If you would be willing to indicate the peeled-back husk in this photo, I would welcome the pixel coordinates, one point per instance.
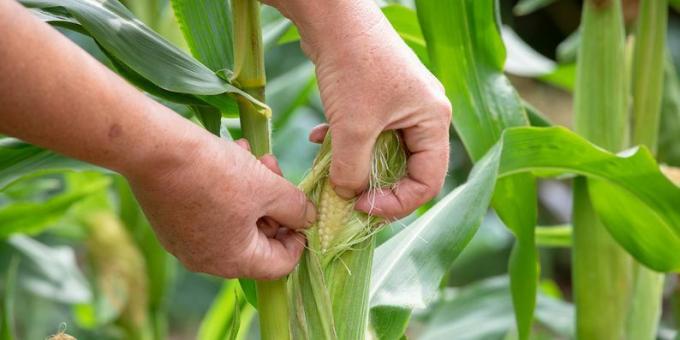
(329, 289)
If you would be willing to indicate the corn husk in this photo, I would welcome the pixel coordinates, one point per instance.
(329, 289)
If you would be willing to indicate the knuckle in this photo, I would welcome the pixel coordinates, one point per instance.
(442, 108)
(343, 181)
(300, 201)
(356, 132)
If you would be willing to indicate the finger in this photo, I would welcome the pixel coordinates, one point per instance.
(268, 226)
(318, 133)
(426, 169)
(271, 163)
(351, 158)
(275, 257)
(288, 205)
(243, 143)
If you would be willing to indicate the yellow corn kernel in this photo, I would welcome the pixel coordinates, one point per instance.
(334, 213)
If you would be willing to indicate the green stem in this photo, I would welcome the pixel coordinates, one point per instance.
(648, 65)
(647, 86)
(249, 73)
(602, 277)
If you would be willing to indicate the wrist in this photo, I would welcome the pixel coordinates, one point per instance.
(319, 21)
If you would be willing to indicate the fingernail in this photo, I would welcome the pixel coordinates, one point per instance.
(344, 192)
(310, 214)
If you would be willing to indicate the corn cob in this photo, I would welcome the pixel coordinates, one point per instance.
(334, 213)
(330, 287)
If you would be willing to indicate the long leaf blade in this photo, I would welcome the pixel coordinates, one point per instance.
(139, 47)
(207, 28)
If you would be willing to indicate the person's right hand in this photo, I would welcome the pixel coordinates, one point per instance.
(220, 209)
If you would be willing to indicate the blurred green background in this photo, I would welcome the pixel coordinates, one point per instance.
(90, 263)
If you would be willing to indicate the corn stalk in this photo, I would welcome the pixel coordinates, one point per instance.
(249, 75)
(601, 269)
(647, 89)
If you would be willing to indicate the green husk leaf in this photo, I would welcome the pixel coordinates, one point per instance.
(330, 287)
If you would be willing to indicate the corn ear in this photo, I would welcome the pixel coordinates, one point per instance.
(329, 289)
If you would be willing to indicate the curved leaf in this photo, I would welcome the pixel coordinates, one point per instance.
(206, 25)
(408, 268)
(19, 159)
(140, 48)
(32, 218)
(484, 311)
(636, 202)
(467, 54)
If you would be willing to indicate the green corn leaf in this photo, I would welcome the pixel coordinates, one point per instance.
(525, 7)
(159, 270)
(408, 268)
(145, 52)
(7, 331)
(229, 315)
(522, 59)
(634, 200)
(536, 117)
(483, 310)
(207, 28)
(136, 45)
(50, 272)
(388, 323)
(274, 26)
(56, 17)
(554, 236)
(468, 55)
(21, 160)
(33, 217)
(669, 148)
(206, 25)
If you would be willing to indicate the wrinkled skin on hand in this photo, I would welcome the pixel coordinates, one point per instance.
(370, 81)
(225, 213)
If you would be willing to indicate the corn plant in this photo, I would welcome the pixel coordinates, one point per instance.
(626, 223)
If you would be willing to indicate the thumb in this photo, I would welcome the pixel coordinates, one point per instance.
(351, 159)
(288, 206)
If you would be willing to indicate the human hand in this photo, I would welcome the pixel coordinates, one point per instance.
(370, 81)
(221, 211)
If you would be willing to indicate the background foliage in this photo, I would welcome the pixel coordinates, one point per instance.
(76, 248)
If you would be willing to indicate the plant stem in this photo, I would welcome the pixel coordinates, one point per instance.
(648, 65)
(601, 269)
(647, 85)
(249, 73)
